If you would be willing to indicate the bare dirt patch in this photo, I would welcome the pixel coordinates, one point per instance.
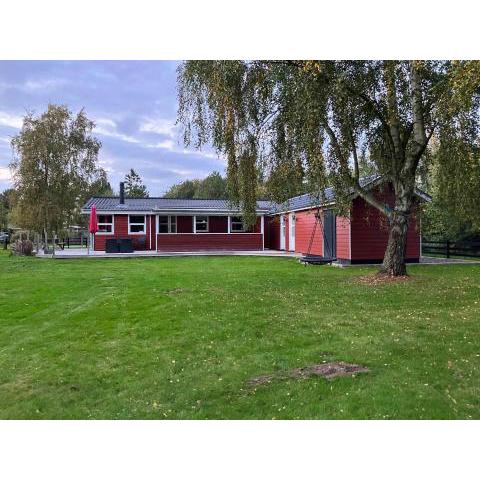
(378, 278)
(328, 370)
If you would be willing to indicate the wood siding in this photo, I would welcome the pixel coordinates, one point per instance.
(209, 241)
(120, 230)
(304, 226)
(343, 238)
(370, 230)
(272, 238)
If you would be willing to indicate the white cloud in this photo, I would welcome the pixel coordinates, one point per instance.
(5, 173)
(159, 126)
(10, 120)
(42, 84)
(172, 147)
(166, 144)
(107, 127)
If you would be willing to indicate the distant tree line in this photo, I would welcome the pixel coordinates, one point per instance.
(214, 186)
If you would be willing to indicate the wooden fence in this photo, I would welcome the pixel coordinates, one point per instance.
(449, 248)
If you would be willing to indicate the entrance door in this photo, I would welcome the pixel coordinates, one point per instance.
(291, 232)
(282, 232)
(329, 240)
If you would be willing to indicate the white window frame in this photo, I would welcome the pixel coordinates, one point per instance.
(195, 224)
(232, 222)
(169, 225)
(144, 232)
(106, 223)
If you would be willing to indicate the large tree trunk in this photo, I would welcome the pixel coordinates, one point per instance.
(394, 258)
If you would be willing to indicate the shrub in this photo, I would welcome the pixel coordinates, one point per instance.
(23, 247)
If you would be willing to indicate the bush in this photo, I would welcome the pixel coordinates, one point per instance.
(23, 247)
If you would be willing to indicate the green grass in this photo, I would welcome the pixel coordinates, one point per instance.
(177, 338)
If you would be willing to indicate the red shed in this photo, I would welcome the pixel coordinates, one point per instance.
(359, 238)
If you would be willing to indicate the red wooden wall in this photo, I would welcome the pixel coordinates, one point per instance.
(120, 230)
(343, 238)
(304, 225)
(217, 226)
(370, 230)
(209, 241)
(361, 237)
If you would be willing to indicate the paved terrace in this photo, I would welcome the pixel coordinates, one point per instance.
(83, 253)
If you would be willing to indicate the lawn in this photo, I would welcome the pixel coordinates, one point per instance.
(178, 338)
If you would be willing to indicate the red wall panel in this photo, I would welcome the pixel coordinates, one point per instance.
(370, 229)
(217, 224)
(120, 230)
(184, 224)
(343, 238)
(273, 236)
(209, 241)
(304, 226)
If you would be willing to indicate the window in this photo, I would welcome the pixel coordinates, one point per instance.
(167, 224)
(201, 223)
(105, 223)
(236, 224)
(136, 224)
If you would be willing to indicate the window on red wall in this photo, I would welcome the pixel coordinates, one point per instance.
(236, 224)
(105, 223)
(136, 224)
(201, 223)
(167, 224)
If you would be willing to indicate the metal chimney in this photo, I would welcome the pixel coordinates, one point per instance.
(122, 193)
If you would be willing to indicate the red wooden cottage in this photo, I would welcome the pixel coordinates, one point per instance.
(359, 238)
(177, 225)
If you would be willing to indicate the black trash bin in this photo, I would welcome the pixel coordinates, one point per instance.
(126, 245)
(111, 245)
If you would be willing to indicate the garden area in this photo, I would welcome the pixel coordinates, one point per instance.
(189, 338)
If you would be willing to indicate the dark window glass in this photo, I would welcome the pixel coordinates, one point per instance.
(104, 218)
(201, 223)
(137, 228)
(236, 224)
(137, 219)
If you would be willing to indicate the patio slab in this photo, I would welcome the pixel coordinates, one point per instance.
(82, 253)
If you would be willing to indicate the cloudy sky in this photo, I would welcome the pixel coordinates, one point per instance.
(133, 104)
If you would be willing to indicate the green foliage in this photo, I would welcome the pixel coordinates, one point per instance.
(309, 124)
(178, 338)
(6, 198)
(134, 186)
(54, 165)
(454, 186)
(214, 186)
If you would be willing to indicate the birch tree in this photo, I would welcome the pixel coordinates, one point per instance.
(311, 122)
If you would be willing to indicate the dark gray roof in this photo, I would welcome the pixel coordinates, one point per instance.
(310, 200)
(156, 203)
(112, 204)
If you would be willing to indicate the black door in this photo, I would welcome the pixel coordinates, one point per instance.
(329, 240)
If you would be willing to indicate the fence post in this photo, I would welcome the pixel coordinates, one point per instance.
(448, 248)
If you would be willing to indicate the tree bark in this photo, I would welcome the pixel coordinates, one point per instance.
(394, 258)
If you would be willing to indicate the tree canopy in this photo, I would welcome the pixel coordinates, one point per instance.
(6, 198)
(55, 163)
(134, 186)
(315, 123)
(213, 186)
